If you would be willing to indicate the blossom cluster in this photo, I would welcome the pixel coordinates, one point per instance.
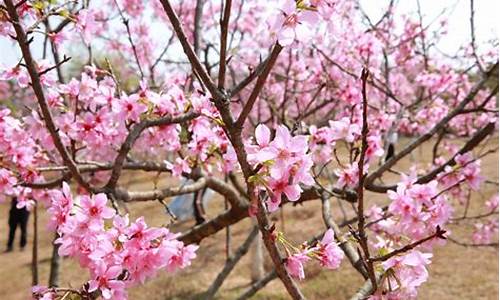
(118, 253)
(284, 164)
(404, 274)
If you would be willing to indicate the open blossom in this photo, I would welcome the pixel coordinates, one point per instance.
(416, 210)
(293, 23)
(343, 129)
(86, 24)
(330, 253)
(60, 208)
(348, 177)
(294, 264)
(182, 257)
(467, 169)
(94, 112)
(7, 182)
(107, 282)
(20, 75)
(42, 293)
(95, 208)
(278, 188)
(129, 107)
(180, 166)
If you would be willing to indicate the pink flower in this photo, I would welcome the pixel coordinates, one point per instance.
(140, 236)
(61, 205)
(343, 129)
(106, 280)
(293, 23)
(492, 204)
(18, 74)
(280, 187)
(484, 232)
(95, 209)
(410, 271)
(180, 166)
(330, 253)
(7, 182)
(182, 258)
(129, 107)
(402, 204)
(86, 24)
(41, 292)
(348, 177)
(294, 264)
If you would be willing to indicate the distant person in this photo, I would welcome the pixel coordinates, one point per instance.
(17, 217)
(391, 149)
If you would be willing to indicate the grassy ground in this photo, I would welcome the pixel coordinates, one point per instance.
(457, 272)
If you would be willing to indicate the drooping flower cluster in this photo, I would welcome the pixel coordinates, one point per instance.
(118, 253)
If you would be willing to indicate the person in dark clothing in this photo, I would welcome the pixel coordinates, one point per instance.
(392, 139)
(17, 217)
(390, 152)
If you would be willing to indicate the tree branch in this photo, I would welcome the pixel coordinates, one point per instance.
(230, 264)
(363, 240)
(224, 24)
(132, 137)
(412, 146)
(261, 80)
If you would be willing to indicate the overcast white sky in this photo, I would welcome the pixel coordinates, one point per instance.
(457, 15)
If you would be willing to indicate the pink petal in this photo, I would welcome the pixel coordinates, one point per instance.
(262, 135)
(292, 192)
(286, 36)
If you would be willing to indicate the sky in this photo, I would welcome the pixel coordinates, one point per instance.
(457, 14)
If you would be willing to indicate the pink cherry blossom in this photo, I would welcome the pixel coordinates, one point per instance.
(330, 253)
(293, 24)
(294, 264)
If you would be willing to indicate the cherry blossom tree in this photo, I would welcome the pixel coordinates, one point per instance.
(271, 104)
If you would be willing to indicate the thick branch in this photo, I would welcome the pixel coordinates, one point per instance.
(224, 24)
(363, 240)
(261, 80)
(161, 194)
(267, 235)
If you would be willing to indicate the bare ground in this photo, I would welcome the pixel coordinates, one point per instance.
(456, 272)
